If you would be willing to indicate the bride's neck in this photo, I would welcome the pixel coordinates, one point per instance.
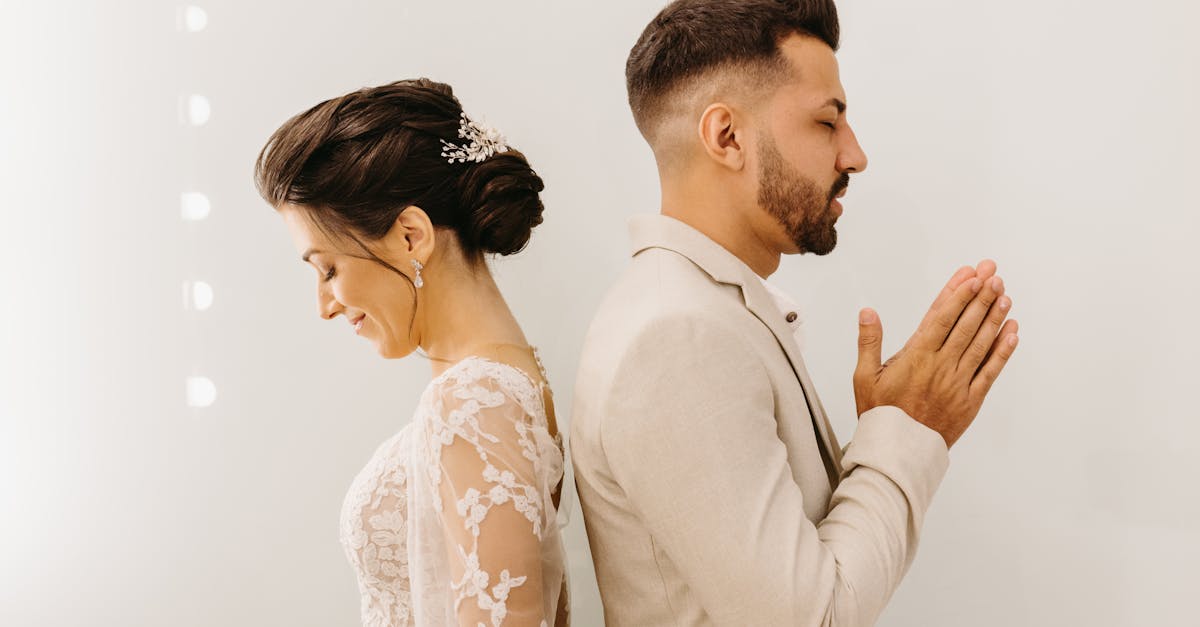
(462, 310)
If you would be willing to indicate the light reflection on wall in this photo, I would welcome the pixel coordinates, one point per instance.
(195, 206)
(192, 19)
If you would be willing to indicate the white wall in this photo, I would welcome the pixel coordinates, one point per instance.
(1057, 137)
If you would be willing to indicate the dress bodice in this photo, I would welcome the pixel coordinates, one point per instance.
(453, 521)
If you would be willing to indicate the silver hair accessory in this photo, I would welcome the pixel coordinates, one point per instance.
(482, 142)
(418, 282)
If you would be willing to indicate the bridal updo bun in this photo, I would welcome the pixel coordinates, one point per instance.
(501, 200)
(357, 161)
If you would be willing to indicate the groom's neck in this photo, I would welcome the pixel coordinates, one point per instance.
(724, 212)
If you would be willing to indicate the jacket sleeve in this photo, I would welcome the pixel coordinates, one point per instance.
(690, 434)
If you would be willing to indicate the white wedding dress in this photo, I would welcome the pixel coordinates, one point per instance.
(453, 521)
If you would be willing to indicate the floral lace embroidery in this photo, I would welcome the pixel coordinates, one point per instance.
(493, 413)
(471, 397)
(374, 536)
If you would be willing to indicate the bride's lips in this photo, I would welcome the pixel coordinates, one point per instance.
(358, 322)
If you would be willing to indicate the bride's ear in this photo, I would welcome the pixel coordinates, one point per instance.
(412, 235)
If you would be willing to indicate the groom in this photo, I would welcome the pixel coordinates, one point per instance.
(713, 489)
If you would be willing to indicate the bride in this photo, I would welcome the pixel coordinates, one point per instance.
(395, 196)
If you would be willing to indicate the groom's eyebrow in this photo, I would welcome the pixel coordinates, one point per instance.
(838, 104)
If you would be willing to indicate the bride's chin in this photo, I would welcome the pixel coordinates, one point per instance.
(389, 351)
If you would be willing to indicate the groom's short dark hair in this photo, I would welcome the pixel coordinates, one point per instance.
(691, 37)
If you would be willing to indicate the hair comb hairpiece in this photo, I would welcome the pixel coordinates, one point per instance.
(482, 142)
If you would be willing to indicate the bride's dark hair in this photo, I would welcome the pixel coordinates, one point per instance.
(353, 163)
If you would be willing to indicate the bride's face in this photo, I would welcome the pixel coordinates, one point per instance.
(378, 303)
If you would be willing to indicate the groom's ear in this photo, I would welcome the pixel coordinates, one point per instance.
(721, 136)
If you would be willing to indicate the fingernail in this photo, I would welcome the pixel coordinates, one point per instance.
(1012, 340)
(997, 284)
(975, 285)
(866, 316)
(1005, 303)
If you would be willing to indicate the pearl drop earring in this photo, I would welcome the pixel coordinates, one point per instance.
(417, 267)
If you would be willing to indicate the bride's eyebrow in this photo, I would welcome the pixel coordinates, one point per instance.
(309, 253)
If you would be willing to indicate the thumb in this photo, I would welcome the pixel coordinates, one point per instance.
(870, 341)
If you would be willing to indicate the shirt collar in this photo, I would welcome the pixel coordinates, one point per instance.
(788, 309)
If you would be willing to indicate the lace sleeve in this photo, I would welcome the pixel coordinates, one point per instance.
(488, 495)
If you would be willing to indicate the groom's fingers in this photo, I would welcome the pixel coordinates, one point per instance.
(984, 271)
(960, 276)
(870, 342)
(932, 332)
(1003, 348)
(1010, 328)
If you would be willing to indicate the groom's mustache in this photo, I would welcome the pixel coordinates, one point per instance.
(842, 183)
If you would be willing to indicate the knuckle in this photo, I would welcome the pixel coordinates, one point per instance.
(980, 389)
(951, 374)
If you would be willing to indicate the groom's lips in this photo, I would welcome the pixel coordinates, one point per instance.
(833, 202)
(839, 187)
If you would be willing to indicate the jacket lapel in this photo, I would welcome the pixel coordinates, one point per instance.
(658, 231)
(760, 303)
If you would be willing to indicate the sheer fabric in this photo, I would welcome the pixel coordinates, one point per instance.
(453, 521)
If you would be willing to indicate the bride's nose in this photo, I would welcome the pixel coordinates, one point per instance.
(327, 306)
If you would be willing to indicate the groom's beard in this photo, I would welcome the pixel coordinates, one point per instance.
(801, 208)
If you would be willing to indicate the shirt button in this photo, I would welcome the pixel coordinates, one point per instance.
(791, 317)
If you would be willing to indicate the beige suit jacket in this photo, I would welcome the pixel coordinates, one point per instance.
(713, 489)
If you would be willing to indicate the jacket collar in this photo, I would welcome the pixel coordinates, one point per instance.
(659, 231)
